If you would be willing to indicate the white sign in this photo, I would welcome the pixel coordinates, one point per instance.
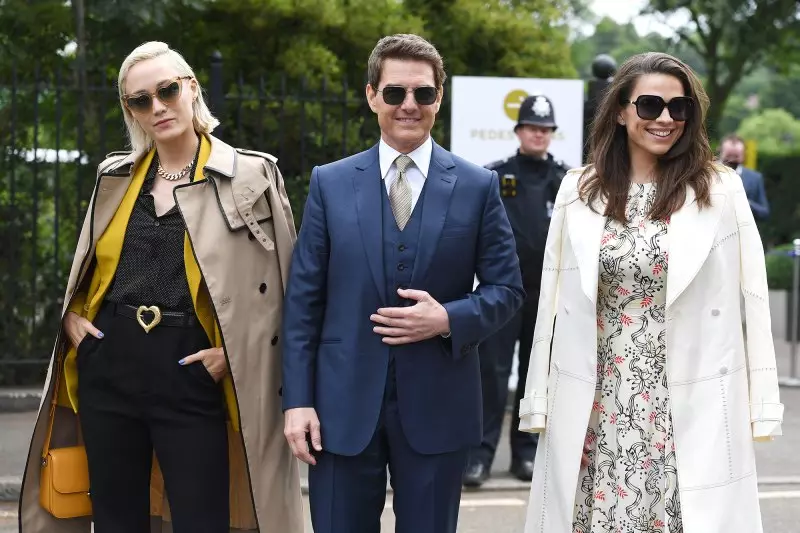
(485, 110)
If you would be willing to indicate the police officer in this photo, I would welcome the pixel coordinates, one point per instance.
(529, 182)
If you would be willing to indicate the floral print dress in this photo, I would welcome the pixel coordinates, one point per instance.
(630, 485)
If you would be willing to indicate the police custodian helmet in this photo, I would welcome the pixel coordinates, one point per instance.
(538, 111)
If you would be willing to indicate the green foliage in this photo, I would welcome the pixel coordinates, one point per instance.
(765, 88)
(776, 131)
(621, 41)
(780, 268)
(499, 38)
(734, 37)
(780, 177)
(294, 76)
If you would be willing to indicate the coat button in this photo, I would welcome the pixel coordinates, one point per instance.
(401, 248)
(715, 312)
(251, 236)
(723, 370)
(401, 267)
(274, 340)
(262, 288)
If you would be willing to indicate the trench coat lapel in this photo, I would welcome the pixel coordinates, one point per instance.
(110, 189)
(690, 239)
(585, 228)
(367, 184)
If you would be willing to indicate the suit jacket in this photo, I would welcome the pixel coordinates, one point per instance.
(334, 362)
(723, 389)
(756, 193)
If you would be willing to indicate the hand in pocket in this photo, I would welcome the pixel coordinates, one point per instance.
(213, 359)
(77, 327)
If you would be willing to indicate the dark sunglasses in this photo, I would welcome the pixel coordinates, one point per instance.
(394, 94)
(650, 107)
(168, 94)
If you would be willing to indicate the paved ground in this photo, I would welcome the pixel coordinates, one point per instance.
(503, 511)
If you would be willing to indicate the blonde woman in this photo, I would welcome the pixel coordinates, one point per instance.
(169, 344)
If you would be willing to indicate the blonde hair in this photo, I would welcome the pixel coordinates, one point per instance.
(203, 120)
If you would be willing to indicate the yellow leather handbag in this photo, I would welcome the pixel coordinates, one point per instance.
(64, 479)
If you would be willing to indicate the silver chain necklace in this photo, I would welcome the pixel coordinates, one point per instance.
(174, 176)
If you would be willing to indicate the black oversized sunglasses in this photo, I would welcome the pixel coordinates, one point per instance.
(395, 94)
(650, 107)
(168, 94)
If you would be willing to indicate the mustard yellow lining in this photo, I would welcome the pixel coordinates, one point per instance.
(107, 253)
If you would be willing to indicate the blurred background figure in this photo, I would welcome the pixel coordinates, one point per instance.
(529, 182)
(732, 154)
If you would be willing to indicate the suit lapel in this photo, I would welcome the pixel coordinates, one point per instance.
(691, 235)
(367, 184)
(585, 227)
(438, 190)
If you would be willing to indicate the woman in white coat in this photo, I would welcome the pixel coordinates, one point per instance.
(646, 396)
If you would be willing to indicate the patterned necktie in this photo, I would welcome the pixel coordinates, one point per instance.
(400, 192)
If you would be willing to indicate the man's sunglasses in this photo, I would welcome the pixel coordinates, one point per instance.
(168, 94)
(394, 94)
(650, 107)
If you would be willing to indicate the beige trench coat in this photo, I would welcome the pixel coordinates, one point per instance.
(240, 225)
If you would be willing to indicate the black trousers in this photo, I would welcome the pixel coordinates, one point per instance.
(134, 399)
(348, 494)
(496, 359)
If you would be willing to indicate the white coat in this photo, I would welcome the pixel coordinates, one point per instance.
(722, 394)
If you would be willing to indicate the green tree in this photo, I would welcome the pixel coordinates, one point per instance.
(776, 132)
(621, 41)
(294, 75)
(734, 37)
(499, 38)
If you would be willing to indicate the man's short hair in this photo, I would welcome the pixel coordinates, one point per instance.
(404, 46)
(733, 138)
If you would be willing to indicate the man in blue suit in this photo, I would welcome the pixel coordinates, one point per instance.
(381, 323)
(732, 151)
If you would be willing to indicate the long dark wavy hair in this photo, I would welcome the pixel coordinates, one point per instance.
(688, 163)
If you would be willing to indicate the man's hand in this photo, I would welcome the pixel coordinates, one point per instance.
(213, 359)
(297, 423)
(585, 460)
(404, 325)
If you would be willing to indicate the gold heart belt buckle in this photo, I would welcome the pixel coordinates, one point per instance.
(156, 317)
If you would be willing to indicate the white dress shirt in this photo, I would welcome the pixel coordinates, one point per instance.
(415, 173)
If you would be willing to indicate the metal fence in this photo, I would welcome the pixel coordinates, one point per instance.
(56, 127)
(53, 135)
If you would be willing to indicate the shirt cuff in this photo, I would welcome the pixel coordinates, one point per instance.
(766, 419)
(533, 413)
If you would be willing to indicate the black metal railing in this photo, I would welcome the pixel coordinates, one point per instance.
(53, 134)
(56, 127)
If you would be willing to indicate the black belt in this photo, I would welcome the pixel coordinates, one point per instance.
(152, 316)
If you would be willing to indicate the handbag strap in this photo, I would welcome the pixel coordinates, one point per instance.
(51, 419)
(53, 403)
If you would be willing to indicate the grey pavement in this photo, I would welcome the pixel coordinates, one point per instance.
(504, 512)
(500, 505)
